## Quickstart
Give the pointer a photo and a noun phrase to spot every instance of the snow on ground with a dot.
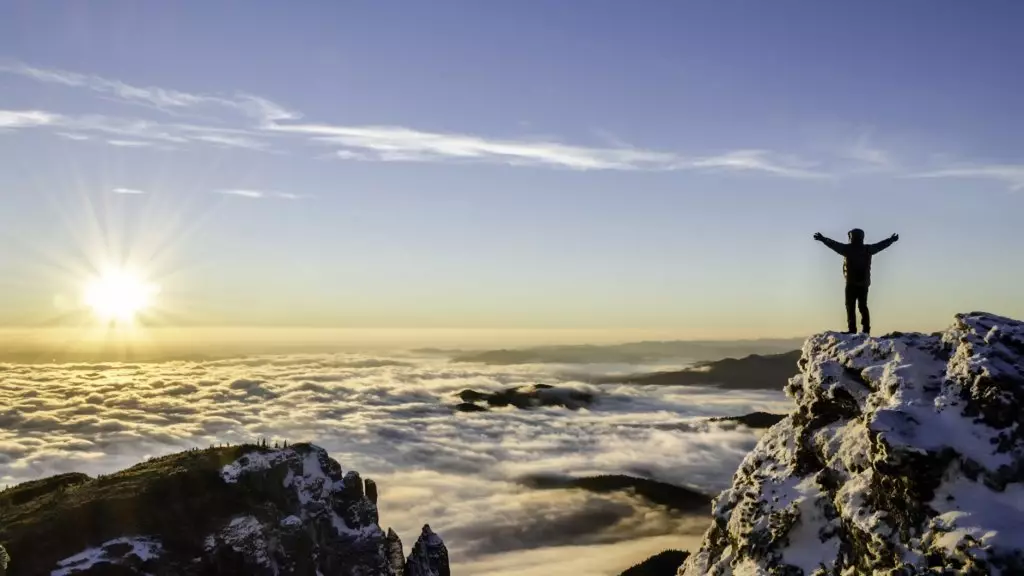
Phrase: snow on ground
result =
(142, 547)
(246, 534)
(968, 508)
(909, 449)
(252, 462)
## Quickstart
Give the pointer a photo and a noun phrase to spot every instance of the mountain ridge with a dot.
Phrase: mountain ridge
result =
(246, 509)
(751, 372)
(628, 353)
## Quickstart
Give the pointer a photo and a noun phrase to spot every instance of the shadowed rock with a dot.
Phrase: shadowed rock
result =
(753, 420)
(234, 510)
(395, 553)
(429, 556)
(673, 497)
(661, 564)
(525, 398)
(22, 493)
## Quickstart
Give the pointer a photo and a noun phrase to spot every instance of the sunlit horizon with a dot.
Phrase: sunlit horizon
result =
(253, 198)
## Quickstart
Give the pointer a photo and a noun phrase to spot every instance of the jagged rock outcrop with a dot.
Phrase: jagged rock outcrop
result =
(429, 556)
(395, 553)
(905, 455)
(236, 510)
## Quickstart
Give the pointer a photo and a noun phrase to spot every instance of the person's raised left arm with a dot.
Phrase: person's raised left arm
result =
(879, 246)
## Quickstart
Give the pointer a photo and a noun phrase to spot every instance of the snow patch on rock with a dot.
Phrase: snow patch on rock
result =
(253, 461)
(332, 504)
(115, 551)
(292, 521)
(905, 453)
(246, 535)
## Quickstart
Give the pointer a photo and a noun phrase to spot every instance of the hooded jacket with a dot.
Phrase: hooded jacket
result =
(857, 256)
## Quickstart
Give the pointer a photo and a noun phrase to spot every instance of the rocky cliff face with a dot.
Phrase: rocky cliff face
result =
(237, 510)
(905, 455)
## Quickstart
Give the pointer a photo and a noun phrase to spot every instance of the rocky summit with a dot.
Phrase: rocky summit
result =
(905, 455)
(247, 509)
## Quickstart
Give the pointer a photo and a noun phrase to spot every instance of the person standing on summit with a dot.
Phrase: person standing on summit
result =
(857, 271)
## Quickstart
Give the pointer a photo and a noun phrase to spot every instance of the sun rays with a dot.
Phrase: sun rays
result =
(113, 273)
(119, 296)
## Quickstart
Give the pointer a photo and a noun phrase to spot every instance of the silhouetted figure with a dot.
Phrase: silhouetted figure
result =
(857, 271)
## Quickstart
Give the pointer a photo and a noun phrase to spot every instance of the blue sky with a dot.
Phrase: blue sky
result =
(467, 164)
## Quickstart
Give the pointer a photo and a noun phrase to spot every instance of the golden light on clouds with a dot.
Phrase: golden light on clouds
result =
(119, 296)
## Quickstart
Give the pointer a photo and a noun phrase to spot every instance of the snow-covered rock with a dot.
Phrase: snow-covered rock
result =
(121, 552)
(234, 510)
(905, 455)
(429, 556)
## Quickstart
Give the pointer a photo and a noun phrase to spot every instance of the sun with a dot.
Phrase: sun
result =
(119, 296)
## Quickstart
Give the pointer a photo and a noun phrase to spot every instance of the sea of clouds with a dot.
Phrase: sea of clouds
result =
(391, 418)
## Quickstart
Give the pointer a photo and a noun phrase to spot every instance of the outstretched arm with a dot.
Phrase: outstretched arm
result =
(837, 247)
(879, 246)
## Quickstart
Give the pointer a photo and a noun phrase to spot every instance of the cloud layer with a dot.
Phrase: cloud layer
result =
(391, 418)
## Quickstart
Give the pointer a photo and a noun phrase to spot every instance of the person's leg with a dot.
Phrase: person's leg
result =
(865, 314)
(851, 308)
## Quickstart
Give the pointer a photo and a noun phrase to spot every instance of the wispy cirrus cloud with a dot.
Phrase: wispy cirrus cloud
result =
(396, 143)
(257, 194)
(74, 136)
(119, 131)
(400, 144)
(258, 120)
(243, 193)
(756, 160)
(128, 191)
(248, 110)
(1010, 174)
(231, 141)
(27, 118)
(163, 99)
(129, 143)
(126, 128)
